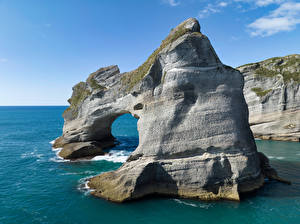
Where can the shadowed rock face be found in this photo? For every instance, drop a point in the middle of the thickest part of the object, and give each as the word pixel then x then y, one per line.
pixel 194 136
pixel 272 92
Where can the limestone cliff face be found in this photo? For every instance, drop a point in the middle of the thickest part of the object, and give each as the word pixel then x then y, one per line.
pixel 272 92
pixel 194 136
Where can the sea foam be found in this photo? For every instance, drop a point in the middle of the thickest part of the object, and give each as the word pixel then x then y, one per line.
pixel 83 185
pixel 58 158
pixel 198 205
pixel 33 155
pixel 116 156
pixel 276 157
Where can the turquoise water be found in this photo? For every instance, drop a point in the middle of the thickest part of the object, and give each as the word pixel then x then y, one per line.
pixel 36 187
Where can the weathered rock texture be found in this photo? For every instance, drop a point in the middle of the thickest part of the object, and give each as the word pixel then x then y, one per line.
pixel 194 136
pixel 272 92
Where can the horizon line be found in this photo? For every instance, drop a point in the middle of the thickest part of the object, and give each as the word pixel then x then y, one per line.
pixel 34 105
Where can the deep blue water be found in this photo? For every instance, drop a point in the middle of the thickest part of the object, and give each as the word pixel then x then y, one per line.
pixel 36 187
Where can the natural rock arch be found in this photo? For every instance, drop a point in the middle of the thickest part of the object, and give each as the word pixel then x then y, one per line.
pixel 194 136
pixel 96 137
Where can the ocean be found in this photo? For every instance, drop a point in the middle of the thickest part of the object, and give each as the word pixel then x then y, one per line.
pixel 38 187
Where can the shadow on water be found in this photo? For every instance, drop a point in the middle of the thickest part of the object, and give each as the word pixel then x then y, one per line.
pixel 289 170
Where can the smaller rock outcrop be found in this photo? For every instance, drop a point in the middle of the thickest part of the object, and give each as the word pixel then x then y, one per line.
pixel 272 92
pixel 81 150
pixel 88 134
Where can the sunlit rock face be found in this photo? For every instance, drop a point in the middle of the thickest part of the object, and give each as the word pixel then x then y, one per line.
pixel 194 136
pixel 272 92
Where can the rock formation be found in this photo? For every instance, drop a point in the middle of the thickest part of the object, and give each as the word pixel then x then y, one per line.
pixel 272 92
pixel 194 136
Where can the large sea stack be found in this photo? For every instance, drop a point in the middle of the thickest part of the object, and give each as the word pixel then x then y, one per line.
pixel 194 136
pixel 272 92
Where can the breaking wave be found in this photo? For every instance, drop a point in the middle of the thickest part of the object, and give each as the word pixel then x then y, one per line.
pixel 198 205
pixel 116 156
pixel 83 185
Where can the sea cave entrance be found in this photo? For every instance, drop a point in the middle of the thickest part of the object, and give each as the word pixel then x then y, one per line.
pixel 124 129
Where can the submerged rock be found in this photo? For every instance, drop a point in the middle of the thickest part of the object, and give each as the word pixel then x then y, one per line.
pixel 272 92
pixel 194 136
pixel 268 171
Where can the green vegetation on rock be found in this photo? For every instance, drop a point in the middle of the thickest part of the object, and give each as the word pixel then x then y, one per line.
pixel 264 61
pixel 263 72
pixel 130 79
pixel 288 67
pixel 93 83
pixel 80 93
pixel 260 92
pixel 163 77
pixel 287 76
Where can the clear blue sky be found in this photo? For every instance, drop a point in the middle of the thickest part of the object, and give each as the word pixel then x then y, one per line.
pixel 48 46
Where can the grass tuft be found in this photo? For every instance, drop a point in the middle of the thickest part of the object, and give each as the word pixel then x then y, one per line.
pixel 260 92
pixel 80 93
pixel 130 79
pixel 93 83
pixel 279 65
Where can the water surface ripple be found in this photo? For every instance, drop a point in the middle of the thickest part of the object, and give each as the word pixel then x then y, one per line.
pixel 36 187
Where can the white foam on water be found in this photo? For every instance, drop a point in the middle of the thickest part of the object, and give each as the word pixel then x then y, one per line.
pixel 65 174
pixel 33 154
pixel 56 149
pixel 57 158
pixel 205 206
pixel 185 203
pixel 116 156
pixel 276 157
pixel 52 142
pixel 257 139
pixel 83 185
pixel 90 172
pixel 79 173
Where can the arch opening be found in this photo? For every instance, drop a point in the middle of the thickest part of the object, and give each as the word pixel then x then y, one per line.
pixel 124 130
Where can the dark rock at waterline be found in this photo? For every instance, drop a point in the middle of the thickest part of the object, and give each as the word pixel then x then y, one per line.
pixel 268 171
pixel 78 150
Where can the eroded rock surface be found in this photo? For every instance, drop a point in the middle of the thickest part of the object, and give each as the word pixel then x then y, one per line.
pixel 272 92
pixel 194 136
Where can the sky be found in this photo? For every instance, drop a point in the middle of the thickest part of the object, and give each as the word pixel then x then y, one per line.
pixel 47 46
